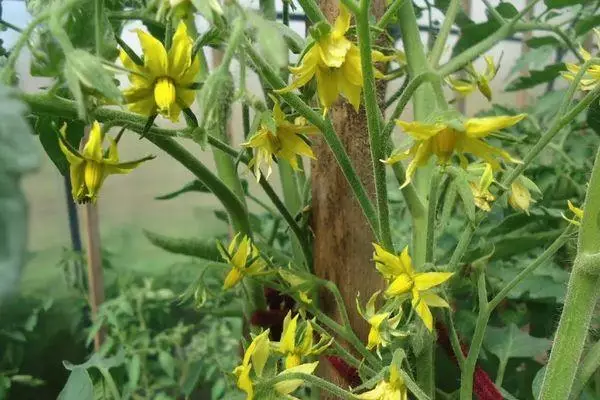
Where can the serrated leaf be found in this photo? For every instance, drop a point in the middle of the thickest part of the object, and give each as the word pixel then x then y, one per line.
pixel 97 361
pixel 92 74
pixel 78 387
pixel 511 342
pixel 270 40
pixel 536 77
pixel 532 59
pixel 540 41
pixel 463 189
pixel 195 247
pixel 585 25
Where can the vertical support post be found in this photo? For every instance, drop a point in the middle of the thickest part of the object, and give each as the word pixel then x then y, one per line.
pixel 342 245
pixel 94 266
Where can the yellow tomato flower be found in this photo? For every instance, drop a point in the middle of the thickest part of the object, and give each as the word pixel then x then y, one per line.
pixel 467 85
pixel 162 84
pixel 591 77
pixel 481 193
pixel 392 389
pixel 380 323
pixel 402 279
pixel 90 168
pixel 284 143
pixel 578 212
pixel 446 138
pixel 335 61
pixel 255 358
pixel 294 346
pixel 244 259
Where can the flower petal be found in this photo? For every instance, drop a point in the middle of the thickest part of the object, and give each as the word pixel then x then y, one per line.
pixel 180 53
pixel 155 55
pixel 421 130
pixel 427 280
pixel 482 127
pixel 288 386
pixel 402 284
pixel 423 312
pixel 93 147
pixel 433 300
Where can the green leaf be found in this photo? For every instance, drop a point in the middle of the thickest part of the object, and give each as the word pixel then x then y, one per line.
pixel 563 3
pixel 532 59
pixel 511 342
pixel 92 74
pixel 294 41
pixel 540 41
pixel 585 25
pixel 536 77
pixel 167 363
pixel 593 116
pixel 461 183
pixel 192 377
pixel 536 385
pixel 193 186
pixel 79 386
pixel 133 371
pixel 472 33
pixel 195 247
pixel 270 40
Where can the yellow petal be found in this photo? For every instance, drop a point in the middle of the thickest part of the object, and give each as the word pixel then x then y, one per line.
pixel 342 22
pixel 420 130
pixel 402 284
pixel 327 86
pixel 93 176
pixel 423 312
pixel 433 300
pixel 180 53
pixel 422 155
pixel 377 393
pixel 93 147
pixel 288 336
pixel 233 278
pixel 482 127
pixel 520 197
pixel 576 210
pixel 155 55
pixel 288 386
pixel 333 50
pixel 427 280
pixel 73 157
pixel 243 381
pixel 349 90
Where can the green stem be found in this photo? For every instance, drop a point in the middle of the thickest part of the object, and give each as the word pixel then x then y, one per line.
pixel 389 14
pixel 112 386
pixel 425 367
pixel 580 301
pixel 377 141
pixel 434 194
pixel 455 341
pixel 590 364
pixel 442 37
pixel 293 203
pixel 466 381
pixel 98 25
pixel 329 134
pixel 11 26
pixel 413 387
pixel 312 11
pixel 313 380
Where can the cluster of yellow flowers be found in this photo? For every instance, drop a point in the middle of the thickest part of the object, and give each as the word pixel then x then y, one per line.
pixel 591 77
pixel 296 345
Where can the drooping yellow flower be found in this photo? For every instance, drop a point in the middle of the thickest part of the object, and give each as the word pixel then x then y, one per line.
pixel 467 85
pixel 244 259
pixel 335 61
pixel 162 84
pixel 380 323
pixel 481 190
pixel 255 358
pixel 297 346
pixel 447 138
pixel 402 279
pixel 591 77
pixel 392 389
pixel 284 143
pixel 520 197
pixel 90 168
pixel 578 212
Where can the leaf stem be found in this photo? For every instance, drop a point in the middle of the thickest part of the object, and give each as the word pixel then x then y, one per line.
pixel 442 37
pixel 313 380
pixel 377 141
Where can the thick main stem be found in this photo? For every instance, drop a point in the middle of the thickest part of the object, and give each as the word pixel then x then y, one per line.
pixel 582 295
